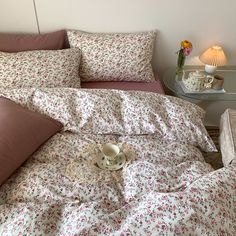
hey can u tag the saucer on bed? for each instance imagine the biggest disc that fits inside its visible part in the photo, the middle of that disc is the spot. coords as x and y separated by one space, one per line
90 167
119 162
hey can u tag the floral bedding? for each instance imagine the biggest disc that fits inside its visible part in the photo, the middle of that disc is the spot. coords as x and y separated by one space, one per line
167 190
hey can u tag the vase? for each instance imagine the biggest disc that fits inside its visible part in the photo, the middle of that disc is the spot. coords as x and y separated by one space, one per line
180 63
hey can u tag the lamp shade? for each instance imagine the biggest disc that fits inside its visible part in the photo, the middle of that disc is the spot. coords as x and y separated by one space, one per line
214 56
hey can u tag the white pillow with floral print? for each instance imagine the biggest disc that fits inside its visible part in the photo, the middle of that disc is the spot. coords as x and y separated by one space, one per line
42 68
105 112
114 56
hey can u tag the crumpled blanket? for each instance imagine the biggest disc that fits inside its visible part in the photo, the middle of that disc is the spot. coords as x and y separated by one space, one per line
168 190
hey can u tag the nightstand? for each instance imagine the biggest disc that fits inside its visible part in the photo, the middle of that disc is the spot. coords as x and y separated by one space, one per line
214 104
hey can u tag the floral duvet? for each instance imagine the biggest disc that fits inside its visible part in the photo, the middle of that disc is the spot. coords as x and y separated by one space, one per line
167 190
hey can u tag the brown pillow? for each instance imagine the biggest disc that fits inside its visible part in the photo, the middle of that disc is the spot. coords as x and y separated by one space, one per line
21 133
28 42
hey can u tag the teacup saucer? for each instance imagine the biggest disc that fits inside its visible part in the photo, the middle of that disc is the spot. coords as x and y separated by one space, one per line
119 162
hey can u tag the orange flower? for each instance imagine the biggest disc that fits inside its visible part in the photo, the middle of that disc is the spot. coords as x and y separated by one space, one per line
186 44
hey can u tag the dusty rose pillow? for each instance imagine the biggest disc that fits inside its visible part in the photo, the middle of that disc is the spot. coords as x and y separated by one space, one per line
114 56
27 42
21 133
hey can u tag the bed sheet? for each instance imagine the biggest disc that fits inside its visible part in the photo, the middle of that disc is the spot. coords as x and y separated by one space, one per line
155 86
168 190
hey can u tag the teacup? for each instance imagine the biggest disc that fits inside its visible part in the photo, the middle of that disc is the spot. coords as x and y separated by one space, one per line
110 151
198 81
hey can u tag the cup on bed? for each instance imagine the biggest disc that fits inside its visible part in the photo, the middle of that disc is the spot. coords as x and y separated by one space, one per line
110 151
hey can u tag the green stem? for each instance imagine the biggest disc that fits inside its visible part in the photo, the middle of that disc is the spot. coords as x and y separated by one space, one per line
181 58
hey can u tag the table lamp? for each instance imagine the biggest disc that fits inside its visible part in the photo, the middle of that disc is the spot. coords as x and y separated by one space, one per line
213 57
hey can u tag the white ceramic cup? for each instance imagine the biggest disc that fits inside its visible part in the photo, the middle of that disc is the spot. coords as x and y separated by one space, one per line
110 151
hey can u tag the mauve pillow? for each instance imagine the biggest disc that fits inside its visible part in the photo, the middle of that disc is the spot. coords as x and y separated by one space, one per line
28 42
21 133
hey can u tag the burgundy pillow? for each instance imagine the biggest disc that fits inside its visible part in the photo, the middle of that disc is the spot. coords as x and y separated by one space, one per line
28 42
21 133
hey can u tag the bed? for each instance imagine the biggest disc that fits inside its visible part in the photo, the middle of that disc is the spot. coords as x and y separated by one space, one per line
166 189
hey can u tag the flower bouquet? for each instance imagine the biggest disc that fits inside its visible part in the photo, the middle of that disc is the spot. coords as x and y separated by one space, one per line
185 50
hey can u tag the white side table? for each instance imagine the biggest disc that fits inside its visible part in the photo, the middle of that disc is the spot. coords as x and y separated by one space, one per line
214 104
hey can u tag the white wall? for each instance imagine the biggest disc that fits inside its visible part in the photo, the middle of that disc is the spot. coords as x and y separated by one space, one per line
204 22
17 16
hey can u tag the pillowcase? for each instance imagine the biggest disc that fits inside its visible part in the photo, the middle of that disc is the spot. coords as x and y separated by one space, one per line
125 113
43 68
26 42
21 133
114 56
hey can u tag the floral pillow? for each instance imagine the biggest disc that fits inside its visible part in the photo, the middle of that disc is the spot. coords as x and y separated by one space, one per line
42 68
127 113
114 56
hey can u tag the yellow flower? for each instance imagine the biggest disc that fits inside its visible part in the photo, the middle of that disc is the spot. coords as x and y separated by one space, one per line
186 44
